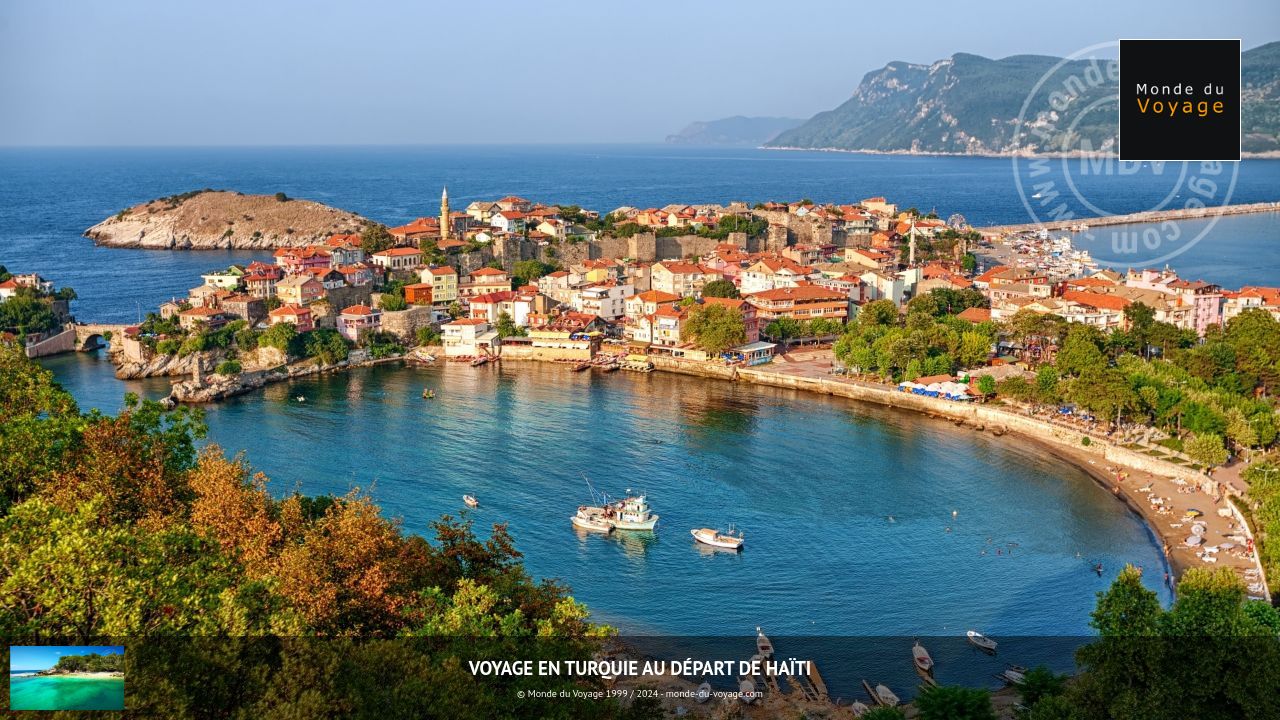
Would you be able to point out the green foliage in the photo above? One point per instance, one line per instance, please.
(884, 713)
(117, 529)
(393, 302)
(720, 289)
(507, 327)
(987, 385)
(428, 335)
(1207, 449)
(92, 662)
(525, 272)
(280, 336)
(26, 313)
(228, 367)
(375, 237)
(715, 328)
(281, 197)
(952, 702)
(325, 345)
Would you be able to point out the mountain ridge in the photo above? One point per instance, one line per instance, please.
(968, 104)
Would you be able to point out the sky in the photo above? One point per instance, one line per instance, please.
(383, 72)
(43, 657)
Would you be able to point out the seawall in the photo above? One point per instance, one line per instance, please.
(1150, 216)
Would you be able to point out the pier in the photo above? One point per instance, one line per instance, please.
(1149, 216)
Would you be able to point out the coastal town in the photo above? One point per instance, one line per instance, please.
(996, 331)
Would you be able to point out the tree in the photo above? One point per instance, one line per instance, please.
(987, 385)
(325, 345)
(507, 327)
(279, 336)
(952, 702)
(526, 272)
(375, 237)
(878, 312)
(715, 328)
(228, 367)
(1038, 683)
(428, 335)
(1207, 449)
(969, 263)
(720, 289)
(392, 302)
(281, 197)
(782, 329)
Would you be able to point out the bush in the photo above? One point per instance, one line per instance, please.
(281, 197)
(228, 367)
(428, 336)
(1085, 441)
(168, 346)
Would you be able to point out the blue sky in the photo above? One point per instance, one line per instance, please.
(43, 657)
(255, 72)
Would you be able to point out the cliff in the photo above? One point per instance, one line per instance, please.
(967, 104)
(217, 219)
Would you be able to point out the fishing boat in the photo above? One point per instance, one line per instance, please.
(631, 513)
(920, 656)
(980, 641)
(763, 644)
(592, 519)
(470, 501)
(582, 366)
(480, 361)
(715, 538)
(704, 692)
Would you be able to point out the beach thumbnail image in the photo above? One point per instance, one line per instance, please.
(66, 677)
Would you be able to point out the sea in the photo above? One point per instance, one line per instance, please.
(865, 528)
(30, 692)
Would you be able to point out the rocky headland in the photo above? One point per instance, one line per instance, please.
(220, 219)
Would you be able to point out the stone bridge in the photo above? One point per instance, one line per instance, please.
(90, 336)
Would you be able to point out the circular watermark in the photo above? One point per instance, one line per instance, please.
(1067, 168)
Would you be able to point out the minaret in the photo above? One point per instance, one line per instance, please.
(444, 214)
(911, 260)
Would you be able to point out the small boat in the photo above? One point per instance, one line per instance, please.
(886, 696)
(582, 366)
(704, 692)
(1013, 675)
(980, 641)
(428, 394)
(859, 708)
(920, 656)
(747, 688)
(763, 644)
(715, 538)
(480, 361)
(592, 520)
(301, 398)
(471, 501)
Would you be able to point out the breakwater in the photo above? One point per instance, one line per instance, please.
(1149, 216)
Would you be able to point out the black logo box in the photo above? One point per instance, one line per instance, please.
(1180, 65)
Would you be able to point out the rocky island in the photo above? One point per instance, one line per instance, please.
(219, 219)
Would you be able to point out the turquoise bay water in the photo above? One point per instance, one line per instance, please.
(66, 693)
(812, 481)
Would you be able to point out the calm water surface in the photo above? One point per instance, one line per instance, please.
(66, 693)
(846, 507)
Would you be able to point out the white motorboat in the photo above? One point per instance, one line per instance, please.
(886, 695)
(982, 642)
(591, 519)
(715, 538)
(704, 692)
(859, 708)
(470, 501)
(921, 658)
(763, 644)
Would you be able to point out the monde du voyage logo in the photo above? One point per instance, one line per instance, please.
(1180, 100)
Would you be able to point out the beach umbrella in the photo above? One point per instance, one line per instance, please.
(1193, 513)
(1227, 545)
(1193, 540)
